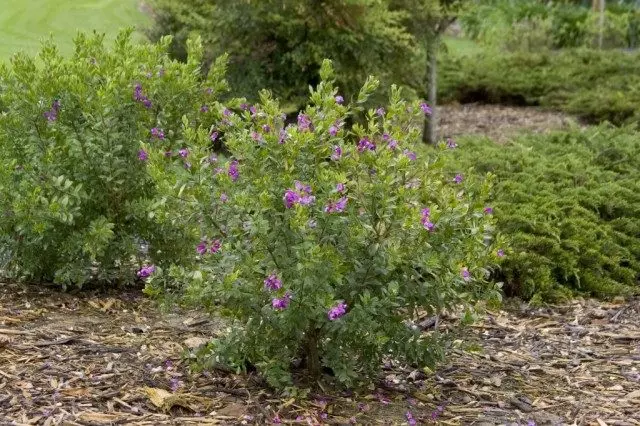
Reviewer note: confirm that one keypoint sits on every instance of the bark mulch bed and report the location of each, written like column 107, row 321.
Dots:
column 98, row 359
column 498, row 122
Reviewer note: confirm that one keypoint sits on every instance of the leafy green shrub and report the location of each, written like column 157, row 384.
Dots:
column 593, row 85
column 75, row 193
column 321, row 239
column 280, row 45
column 568, row 203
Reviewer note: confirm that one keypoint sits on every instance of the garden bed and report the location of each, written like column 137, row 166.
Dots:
column 93, row 359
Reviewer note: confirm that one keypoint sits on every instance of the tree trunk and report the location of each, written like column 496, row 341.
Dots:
column 430, row 130
column 601, row 23
column 312, row 357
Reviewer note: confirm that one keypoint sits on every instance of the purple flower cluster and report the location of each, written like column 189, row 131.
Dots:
column 337, row 311
column 213, row 136
column 282, row 136
column 139, row 96
column 426, row 219
column 146, row 271
column 337, row 153
column 426, row 109
column 234, row 174
column 488, row 210
column 337, row 207
column 204, row 108
column 272, row 282
column 183, row 152
column 302, row 195
column 304, row 123
column 500, row 253
column 366, row 144
column 281, row 303
column 52, row 114
column 339, row 100
column 410, row 419
column 333, row 130
column 436, row 413
column 142, row 155
column 465, row 274
column 380, row 112
column 451, row 144
column 157, row 133
column 458, row 178
column 410, row 155
column 201, row 248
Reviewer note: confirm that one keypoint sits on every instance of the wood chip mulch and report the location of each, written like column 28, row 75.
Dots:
column 115, row 358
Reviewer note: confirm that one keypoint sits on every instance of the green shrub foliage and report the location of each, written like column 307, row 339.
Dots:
column 569, row 205
column 75, row 192
column 321, row 239
column 280, row 45
column 596, row 86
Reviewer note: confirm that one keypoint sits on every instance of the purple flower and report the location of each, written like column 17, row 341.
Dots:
column 386, row 137
column 244, row 107
column 157, row 133
column 51, row 115
column 451, row 144
column 428, row 225
column 146, row 271
column 337, row 207
column 175, row 384
column 410, row 155
column 458, row 178
column 266, row 128
column 304, row 123
column 426, row 109
column 380, row 112
column 272, row 282
column 216, row 245
column 500, row 253
column 305, row 200
column 290, row 198
column 302, row 187
column 281, row 303
column 488, row 210
column 213, row 136
column 253, row 110
column 531, row 423
column 465, row 274
column 184, row 152
column 201, row 248
column 204, row 108
column 147, row 103
column 226, row 112
column 393, row 144
column 233, row 170
column 255, row 136
column 410, row 419
column 282, row 136
column 333, row 131
column 137, row 93
column 337, row 311
column 223, row 197
column 366, row 144
column 426, row 212
column 337, row 153
column 340, row 187
column 276, row 419
column 142, row 155
column 339, row 99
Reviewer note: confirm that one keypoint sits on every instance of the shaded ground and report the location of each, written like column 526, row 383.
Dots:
column 500, row 123
column 100, row 359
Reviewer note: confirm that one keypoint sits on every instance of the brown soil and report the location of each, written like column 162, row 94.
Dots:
column 97, row 359
column 500, row 123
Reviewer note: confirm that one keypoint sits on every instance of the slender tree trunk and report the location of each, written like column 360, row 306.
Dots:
column 311, row 354
column 430, row 130
column 601, row 23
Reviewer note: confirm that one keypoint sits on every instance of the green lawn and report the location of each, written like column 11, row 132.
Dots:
column 24, row 23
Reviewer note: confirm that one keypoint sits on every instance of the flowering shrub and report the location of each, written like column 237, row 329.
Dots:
column 330, row 237
column 75, row 134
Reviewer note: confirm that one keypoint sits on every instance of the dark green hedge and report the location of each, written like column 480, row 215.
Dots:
column 596, row 86
column 570, row 205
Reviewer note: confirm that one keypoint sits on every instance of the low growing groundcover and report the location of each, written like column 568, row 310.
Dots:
column 569, row 204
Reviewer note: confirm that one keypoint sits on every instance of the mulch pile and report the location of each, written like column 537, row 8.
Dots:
column 98, row 359
column 498, row 122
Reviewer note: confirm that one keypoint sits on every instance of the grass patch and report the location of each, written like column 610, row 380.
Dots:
column 23, row 24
